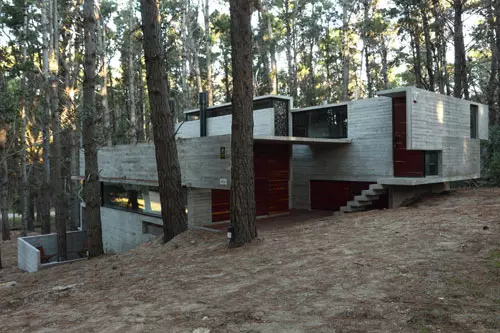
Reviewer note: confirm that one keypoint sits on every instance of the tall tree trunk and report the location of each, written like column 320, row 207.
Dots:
column 208, row 51
column 460, row 77
column 59, row 180
column 273, row 74
column 417, row 59
column 44, row 197
column 345, row 51
column 366, row 46
column 429, row 48
column 242, row 205
column 92, row 187
column 289, row 45
column 167, row 161
column 497, row 32
column 4, row 173
column 141, row 117
column 101, row 35
column 24, row 116
column 226, row 78
column 385, row 66
column 131, row 75
column 184, row 62
column 492, row 89
column 440, row 46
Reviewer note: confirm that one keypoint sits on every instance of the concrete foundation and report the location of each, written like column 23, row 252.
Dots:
column 400, row 196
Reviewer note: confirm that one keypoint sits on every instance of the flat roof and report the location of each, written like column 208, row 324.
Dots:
column 397, row 92
column 317, row 107
column 300, row 140
column 258, row 98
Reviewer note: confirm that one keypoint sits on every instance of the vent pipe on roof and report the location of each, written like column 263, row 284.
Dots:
column 203, row 101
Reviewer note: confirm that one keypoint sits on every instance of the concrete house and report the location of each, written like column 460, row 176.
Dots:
column 363, row 154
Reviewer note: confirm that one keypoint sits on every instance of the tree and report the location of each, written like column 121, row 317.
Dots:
column 167, row 161
column 92, row 187
column 460, row 88
column 242, row 212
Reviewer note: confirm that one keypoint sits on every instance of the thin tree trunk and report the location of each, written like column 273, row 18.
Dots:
column 273, row 74
column 226, row 78
column 242, row 205
column 101, row 28
column 497, row 31
column 92, row 186
column 366, row 42
column 44, row 197
column 4, row 200
column 289, row 44
column 184, row 61
column 141, row 117
column 345, row 51
column 59, row 181
column 131, row 75
column 208, row 51
column 492, row 88
column 167, row 161
column 460, row 88
column 429, row 48
column 4, row 181
column 24, row 115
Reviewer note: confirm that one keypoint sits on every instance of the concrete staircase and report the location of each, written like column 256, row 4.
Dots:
column 364, row 201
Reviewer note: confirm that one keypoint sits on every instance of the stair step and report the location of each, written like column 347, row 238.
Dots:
column 355, row 203
column 349, row 209
column 372, row 192
column 364, row 197
column 377, row 187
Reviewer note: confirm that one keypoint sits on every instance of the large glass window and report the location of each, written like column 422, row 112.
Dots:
column 473, row 121
column 217, row 111
column 131, row 197
column 328, row 123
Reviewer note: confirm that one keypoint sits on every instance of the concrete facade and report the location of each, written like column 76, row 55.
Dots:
column 123, row 230
column 367, row 158
column 434, row 123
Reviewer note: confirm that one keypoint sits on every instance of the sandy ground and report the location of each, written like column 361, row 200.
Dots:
column 434, row 267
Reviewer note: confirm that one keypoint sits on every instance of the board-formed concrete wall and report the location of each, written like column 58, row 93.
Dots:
column 28, row 257
column 122, row 230
column 433, row 117
column 367, row 158
column 199, row 206
column 440, row 122
column 199, row 158
column 263, row 125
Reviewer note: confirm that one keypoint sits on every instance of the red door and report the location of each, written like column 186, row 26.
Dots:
column 407, row 163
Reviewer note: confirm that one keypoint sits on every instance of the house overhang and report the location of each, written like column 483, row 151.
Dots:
column 300, row 140
column 398, row 92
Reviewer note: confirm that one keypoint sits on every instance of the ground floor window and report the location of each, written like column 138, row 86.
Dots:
column 135, row 198
column 432, row 163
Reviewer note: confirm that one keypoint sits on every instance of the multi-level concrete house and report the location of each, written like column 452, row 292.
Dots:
column 352, row 156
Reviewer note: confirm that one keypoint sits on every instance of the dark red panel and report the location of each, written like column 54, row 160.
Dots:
column 407, row 163
column 272, row 172
column 220, row 205
column 331, row 195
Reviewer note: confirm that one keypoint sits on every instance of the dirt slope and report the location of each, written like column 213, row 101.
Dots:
column 434, row 267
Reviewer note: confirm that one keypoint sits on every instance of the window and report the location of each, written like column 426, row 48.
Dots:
column 432, row 163
column 328, row 123
column 473, row 121
column 152, row 229
column 121, row 196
